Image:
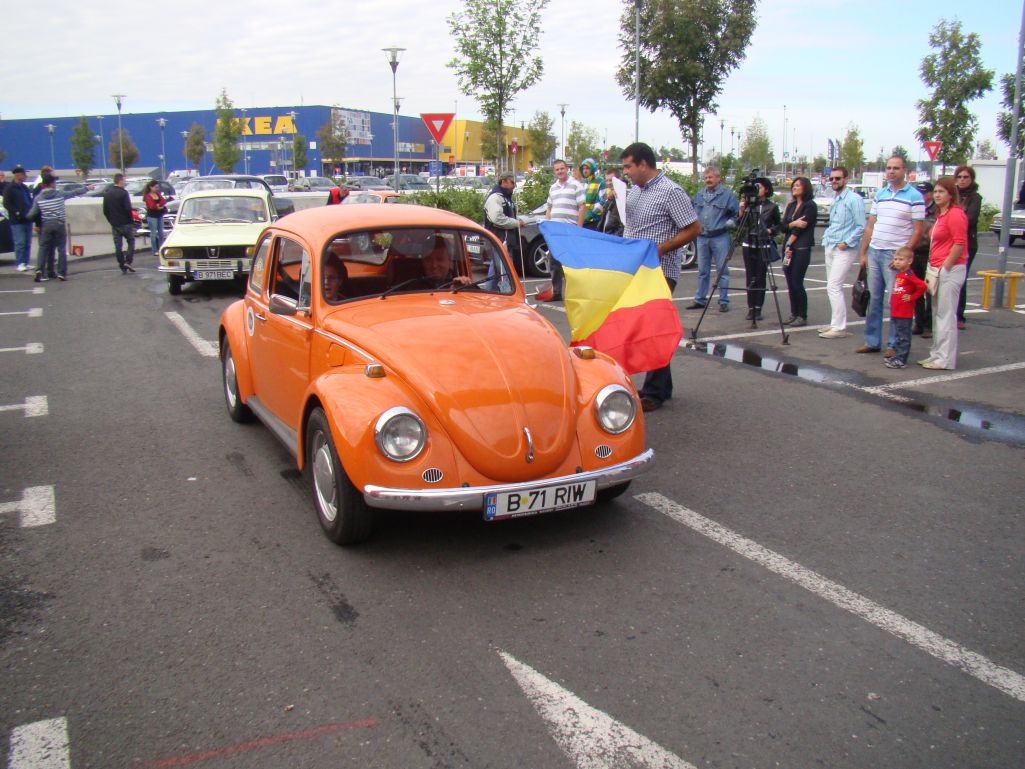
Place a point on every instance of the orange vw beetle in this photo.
(392, 350)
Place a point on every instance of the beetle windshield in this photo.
(412, 260)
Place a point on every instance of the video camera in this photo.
(748, 190)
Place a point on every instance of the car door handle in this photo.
(259, 316)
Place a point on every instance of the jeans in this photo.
(902, 344)
(156, 232)
(716, 247)
(126, 232)
(923, 307)
(880, 282)
(838, 264)
(963, 299)
(794, 273)
(658, 384)
(52, 236)
(944, 318)
(21, 233)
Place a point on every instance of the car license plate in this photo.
(213, 274)
(518, 503)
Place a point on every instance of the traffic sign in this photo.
(933, 148)
(514, 146)
(437, 123)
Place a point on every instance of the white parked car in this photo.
(277, 182)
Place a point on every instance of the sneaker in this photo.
(723, 307)
(650, 404)
(894, 363)
(61, 276)
(926, 334)
(132, 269)
(695, 306)
(924, 361)
(931, 364)
(832, 333)
(798, 322)
(866, 348)
(21, 267)
(889, 352)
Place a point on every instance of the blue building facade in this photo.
(266, 143)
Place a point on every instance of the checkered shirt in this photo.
(658, 211)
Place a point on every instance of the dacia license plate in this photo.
(213, 274)
(513, 504)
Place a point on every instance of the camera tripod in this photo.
(748, 233)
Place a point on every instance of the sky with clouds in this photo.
(831, 63)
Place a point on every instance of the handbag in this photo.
(860, 295)
(772, 252)
(932, 279)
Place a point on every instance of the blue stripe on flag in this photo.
(578, 248)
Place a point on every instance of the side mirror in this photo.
(283, 305)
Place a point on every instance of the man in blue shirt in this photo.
(841, 241)
(717, 208)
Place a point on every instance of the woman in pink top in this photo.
(947, 271)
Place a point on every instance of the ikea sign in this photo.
(266, 125)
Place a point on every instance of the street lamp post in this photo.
(295, 132)
(185, 149)
(722, 138)
(394, 53)
(162, 122)
(118, 100)
(733, 132)
(49, 129)
(562, 144)
(245, 146)
(103, 148)
(637, 70)
(784, 140)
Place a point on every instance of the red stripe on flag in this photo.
(641, 338)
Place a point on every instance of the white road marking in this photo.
(35, 312)
(203, 347)
(36, 290)
(1004, 679)
(37, 507)
(42, 745)
(32, 348)
(880, 389)
(590, 738)
(34, 406)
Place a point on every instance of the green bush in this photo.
(464, 202)
(690, 184)
(534, 191)
(988, 213)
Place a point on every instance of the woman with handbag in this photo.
(759, 245)
(798, 239)
(946, 273)
(156, 207)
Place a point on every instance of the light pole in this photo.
(637, 70)
(784, 141)
(103, 148)
(162, 122)
(562, 146)
(733, 132)
(245, 147)
(722, 138)
(185, 149)
(49, 129)
(118, 99)
(394, 53)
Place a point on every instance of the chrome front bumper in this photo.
(473, 497)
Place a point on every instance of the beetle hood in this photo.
(489, 371)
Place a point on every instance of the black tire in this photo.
(174, 284)
(539, 263)
(237, 410)
(607, 495)
(689, 257)
(343, 514)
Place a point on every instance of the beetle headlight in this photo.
(615, 408)
(400, 434)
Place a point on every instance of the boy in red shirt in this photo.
(907, 288)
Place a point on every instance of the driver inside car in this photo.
(437, 263)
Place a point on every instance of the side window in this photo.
(258, 272)
(291, 268)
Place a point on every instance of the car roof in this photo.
(233, 192)
(323, 222)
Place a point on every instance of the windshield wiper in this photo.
(196, 219)
(475, 284)
(397, 286)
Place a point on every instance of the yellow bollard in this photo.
(988, 276)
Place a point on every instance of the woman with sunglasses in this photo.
(947, 259)
(798, 239)
(971, 203)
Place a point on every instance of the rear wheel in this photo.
(689, 256)
(237, 410)
(539, 259)
(174, 284)
(341, 510)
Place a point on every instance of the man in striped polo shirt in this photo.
(49, 212)
(895, 221)
(565, 204)
(657, 209)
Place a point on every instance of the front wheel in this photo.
(539, 259)
(689, 256)
(341, 509)
(174, 284)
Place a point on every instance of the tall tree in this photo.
(541, 137)
(985, 150)
(334, 139)
(819, 162)
(195, 145)
(1004, 119)
(298, 152)
(496, 43)
(227, 132)
(583, 142)
(852, 150)
(83, 147)
(757, 152)
(902, 152)
(118, 139)
(956, 76)
(687, 50)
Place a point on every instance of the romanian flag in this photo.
(617, 299)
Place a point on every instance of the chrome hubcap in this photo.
(230, 385)
(324, 478)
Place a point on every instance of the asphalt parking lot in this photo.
(824, 568)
